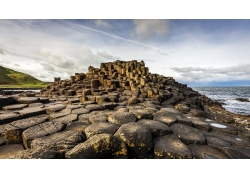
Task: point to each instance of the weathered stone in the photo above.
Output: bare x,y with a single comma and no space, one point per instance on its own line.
2,140
80,111
28,100
182,108
165,117
133,100
171,110
40,130
218,126
61,141
198,113
9,150
60,114
108,105
2,129
187,134
100,128
13,131
184,120
72,106
141,113
137,137
122,118
6,100
29,112
94,107
156,128
199,124
66,119
77,126
41,105
55,108
206,152
9,117
14,107
216,142
99,146
170,147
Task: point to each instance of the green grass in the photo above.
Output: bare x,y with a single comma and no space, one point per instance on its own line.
13,79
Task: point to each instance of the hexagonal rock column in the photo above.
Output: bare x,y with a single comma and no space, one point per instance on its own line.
100,146
120,118
138,138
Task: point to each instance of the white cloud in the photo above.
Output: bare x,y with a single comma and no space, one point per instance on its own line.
149,28
103,23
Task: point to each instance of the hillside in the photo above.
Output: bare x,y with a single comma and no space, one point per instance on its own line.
11,78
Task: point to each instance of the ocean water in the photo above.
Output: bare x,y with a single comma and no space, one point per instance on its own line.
227,96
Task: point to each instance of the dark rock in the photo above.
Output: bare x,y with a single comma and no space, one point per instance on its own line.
156,128
199,124
108,105
40,130
138,138
218,126
184,120
100,146
165,117
8,117
13,131
121,118
187,134
171,110
242,99
170,147
198,113
216,142
8,150
100,128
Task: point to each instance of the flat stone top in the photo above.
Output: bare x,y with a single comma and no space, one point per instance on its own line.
28,100
14,107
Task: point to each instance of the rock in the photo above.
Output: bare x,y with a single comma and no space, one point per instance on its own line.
14,107
182,108
170,147
108,105
218,126
55,108
199,124
100,146
157,128
8,150
187,134
141,113
94,107
184,120
72,106
2,140
77,126
6,100
120,118
80,111
242,99
138,138
2,129
97,118
59,114
28,100
37,154
41,105
8,118
216,142
206,152
66,119
171,110
13,131
133,100
61,141
84,117
40,130
165,117
198,113
100,128
29,112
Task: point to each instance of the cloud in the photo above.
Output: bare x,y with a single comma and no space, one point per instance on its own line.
1,51
104,55
47,67
203,75
149,28
16,65
103,23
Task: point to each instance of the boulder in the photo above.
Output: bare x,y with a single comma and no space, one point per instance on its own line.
216,142
170,147
184,120
187,134
120,118
99,146
138,138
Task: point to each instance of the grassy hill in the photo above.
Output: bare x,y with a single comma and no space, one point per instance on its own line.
13,79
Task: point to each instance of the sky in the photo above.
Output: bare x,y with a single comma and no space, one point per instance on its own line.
201,52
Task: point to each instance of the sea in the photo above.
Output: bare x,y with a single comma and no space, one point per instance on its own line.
227,96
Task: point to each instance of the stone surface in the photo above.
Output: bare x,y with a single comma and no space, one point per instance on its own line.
2,140
80,111
8,150
141,113
165,117
206,152
100,128
120,118
187,134
55,108
156,128
138,138
100,146
59,114
236,152
13,131
94,107
77,126
66,119
7,118
170,147
14,107
40,130
29,112
198,113
199,124
97,118
216,142
28,100
218,126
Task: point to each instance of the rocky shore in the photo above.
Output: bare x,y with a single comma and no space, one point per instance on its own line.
119,110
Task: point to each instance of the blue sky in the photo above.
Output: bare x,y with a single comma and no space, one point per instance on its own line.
194,52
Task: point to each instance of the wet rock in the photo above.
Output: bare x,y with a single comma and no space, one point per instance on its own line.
156,128
184,120
97,118
8,150
206,152
73,106
165,117
141,113
61,141
216,142
9,117
198,113
138,138
66,119
94,107
37,154
40,130
14,107
170,147
6,100
182,108
13,131
218,126
187,134
120,118
199,124
233,153
100,146
100,128
55,108
29,112
28,100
